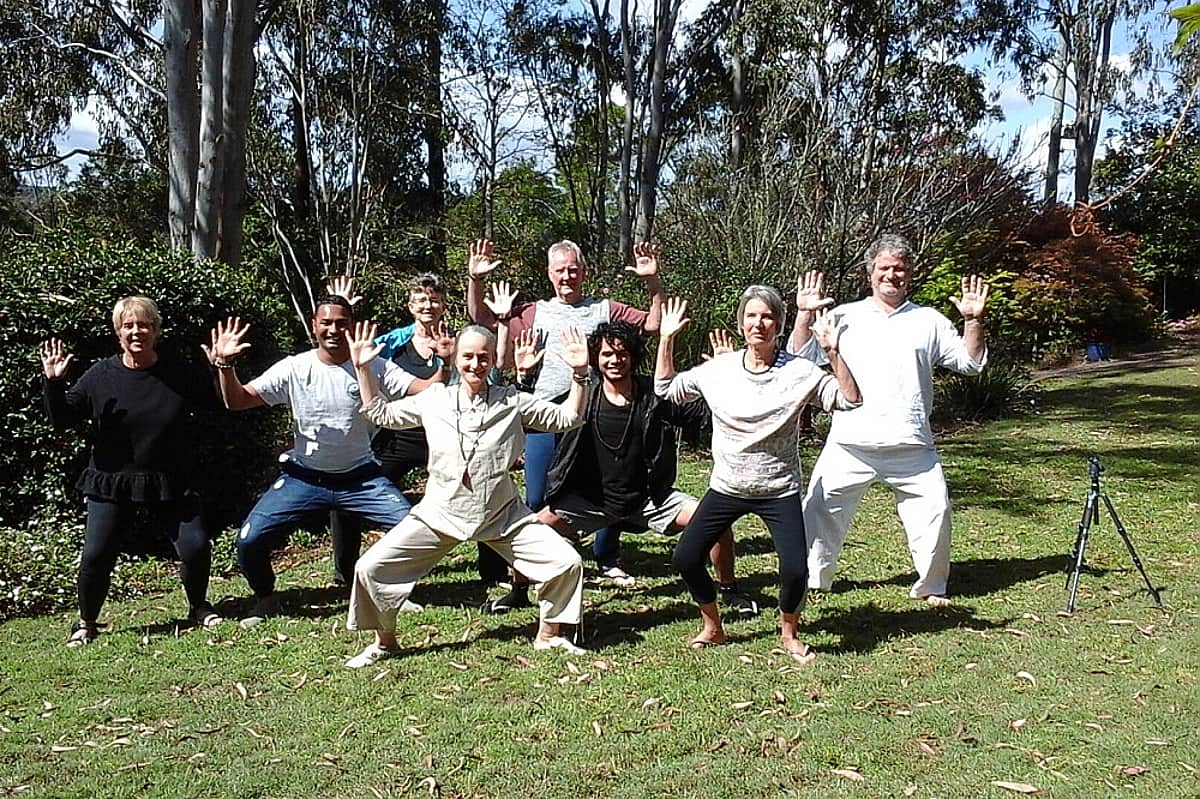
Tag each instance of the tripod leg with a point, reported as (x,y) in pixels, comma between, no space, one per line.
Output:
(1090,513)
(1112,512)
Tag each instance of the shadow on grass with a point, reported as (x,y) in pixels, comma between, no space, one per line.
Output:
(974,577)
(863,628)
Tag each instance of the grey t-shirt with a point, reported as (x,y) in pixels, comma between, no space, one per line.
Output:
(330,434)
(549,318)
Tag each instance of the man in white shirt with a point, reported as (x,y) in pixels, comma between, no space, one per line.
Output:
(891,344)
(331,465)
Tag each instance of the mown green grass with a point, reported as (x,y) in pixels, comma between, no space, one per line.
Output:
(918,702)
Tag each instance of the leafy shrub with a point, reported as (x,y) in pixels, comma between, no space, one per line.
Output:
(64,286)
(1004,388)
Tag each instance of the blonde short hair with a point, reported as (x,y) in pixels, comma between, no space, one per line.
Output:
(143,307)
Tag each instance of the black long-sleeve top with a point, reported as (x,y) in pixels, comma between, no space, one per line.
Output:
(143,449)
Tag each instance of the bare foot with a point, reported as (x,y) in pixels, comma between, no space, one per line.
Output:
(803,654)
(707,638)
(937,601)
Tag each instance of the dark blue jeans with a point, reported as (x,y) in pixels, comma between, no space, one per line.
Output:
(539,452)
(298,492)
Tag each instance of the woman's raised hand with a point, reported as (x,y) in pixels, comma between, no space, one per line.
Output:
(501,301)
(674,317)
(55,359)
(826,330)
(527,353)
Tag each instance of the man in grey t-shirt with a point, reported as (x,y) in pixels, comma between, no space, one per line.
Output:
(567,308)
(330,465)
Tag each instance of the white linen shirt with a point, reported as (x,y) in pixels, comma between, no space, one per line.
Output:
(481,438)
(892,355)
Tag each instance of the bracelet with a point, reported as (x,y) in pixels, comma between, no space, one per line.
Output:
(221,363)
(582,380)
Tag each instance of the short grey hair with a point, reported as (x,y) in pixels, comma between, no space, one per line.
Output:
(478,330)
(764,294)
(889,242)
(566,245)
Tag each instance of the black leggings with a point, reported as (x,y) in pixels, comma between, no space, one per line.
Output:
(785,521)
(106,521)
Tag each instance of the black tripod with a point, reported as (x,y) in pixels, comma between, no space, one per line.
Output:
(1091,515)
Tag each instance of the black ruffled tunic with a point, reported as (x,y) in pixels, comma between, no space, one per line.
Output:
(143,449)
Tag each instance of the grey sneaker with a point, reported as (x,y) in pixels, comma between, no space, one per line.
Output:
(264,608)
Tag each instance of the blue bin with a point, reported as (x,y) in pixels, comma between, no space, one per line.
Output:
(1095,351)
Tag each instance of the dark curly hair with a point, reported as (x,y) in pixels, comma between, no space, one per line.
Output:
(333,299)
(629,335)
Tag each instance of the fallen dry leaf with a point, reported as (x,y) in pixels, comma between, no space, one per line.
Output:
(1133,771)
(242,692)
(1024,675)
(596,729)
(1016,787)
(460,667)
(1016,725)
(849,774)
(779,697)
(740,705)
(909,790)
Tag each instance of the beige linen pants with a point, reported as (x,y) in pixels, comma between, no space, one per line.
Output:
(386,573)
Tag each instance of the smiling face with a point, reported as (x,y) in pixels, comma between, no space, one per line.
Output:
(474,355)
(759,323)
(427,306)
(566,275)
(614,361)
(329,326)
(137,333)
(890,275)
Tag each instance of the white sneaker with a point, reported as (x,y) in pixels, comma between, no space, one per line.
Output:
(619,577)
(411,607)
(372,654)
(557,642)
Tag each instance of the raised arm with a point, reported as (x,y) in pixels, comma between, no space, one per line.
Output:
(343,286)
(500,303)
(970,305)
(810,291)
(55,360)
(645,266)
(227,345)
(527,355)
(674,319)
(480,263)
(549,417)
(828,335)
(443,348)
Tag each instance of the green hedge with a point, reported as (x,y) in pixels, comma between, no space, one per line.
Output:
(65,285)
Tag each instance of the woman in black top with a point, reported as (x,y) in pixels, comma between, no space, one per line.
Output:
(143,456)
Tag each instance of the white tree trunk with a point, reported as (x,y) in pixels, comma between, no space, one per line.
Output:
(181,37)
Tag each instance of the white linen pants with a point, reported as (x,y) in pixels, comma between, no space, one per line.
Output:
(386,573)
(840,478)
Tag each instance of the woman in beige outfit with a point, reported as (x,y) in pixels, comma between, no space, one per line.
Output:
(475,433)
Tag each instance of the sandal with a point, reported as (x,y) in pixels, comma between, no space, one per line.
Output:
(82,632)
(205,616)
(699,643)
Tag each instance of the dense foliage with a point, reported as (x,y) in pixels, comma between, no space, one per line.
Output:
(65,286)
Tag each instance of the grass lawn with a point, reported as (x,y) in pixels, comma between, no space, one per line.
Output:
(996,696)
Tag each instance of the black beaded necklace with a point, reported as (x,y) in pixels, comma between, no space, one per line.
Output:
(616,450)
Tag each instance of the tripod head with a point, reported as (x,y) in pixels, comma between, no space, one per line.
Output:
(1094,469)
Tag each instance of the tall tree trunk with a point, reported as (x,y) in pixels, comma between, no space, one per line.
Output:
(625,174)
(1091,77)
(1057,99)
(241,32)
(665,13)
(433,133)
(181,37)
(737,98)
(206,222)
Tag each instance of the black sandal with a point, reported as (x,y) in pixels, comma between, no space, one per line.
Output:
(82,632)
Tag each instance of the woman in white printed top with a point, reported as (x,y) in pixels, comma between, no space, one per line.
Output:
(475,434)
(756,395)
